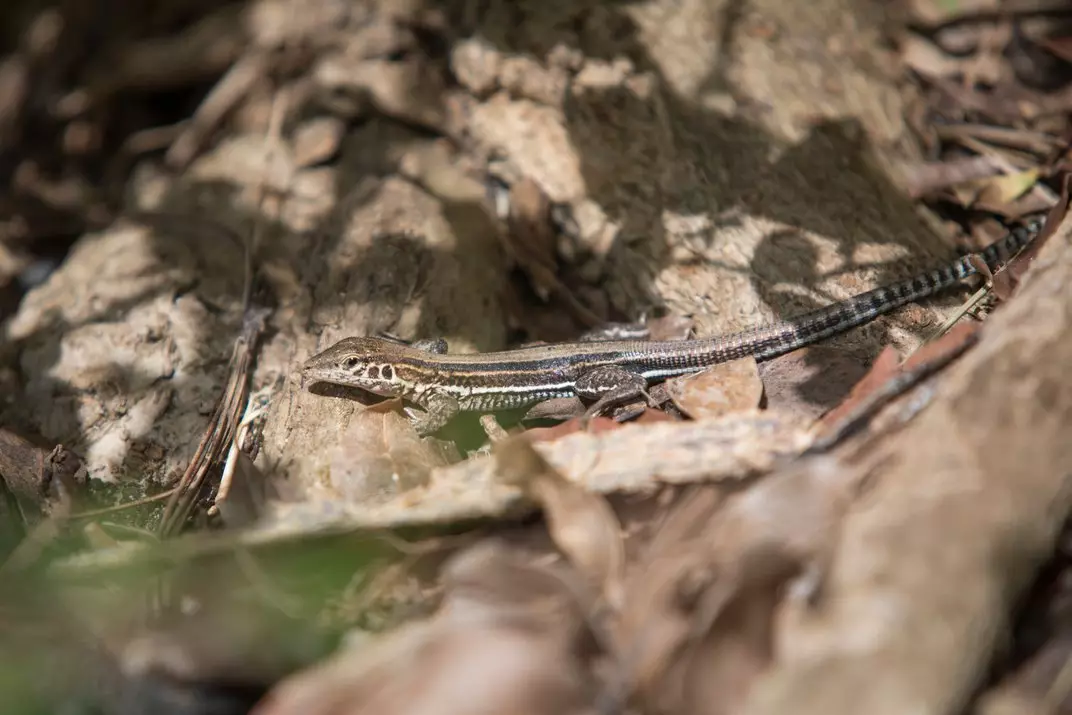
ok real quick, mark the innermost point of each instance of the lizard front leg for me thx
(439, 409)
(610, 386)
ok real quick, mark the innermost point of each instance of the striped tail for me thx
(783, 337)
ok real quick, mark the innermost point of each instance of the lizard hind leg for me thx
(610, 386)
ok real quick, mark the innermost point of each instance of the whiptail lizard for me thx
(608, 372)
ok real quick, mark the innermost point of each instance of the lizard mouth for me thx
(327, 388)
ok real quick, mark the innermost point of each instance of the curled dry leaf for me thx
(317, 140)
(700, 606)
(381, 456)
(509, 638)
(581, 523)
(1006, 188)
(732, 386)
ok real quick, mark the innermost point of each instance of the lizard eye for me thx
(351, 362)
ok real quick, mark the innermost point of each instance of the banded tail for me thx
(785, 336)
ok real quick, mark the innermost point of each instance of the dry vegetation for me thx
(199, 196)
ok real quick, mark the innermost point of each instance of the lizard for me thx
(606, 372)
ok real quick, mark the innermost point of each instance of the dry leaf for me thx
(1006, 281)
(381, 456)
(650, 416)
(596, 425)
(886, 365)
(656, 620)
(700, 606)
(925, 178)
(928, 59)
(317, 140)
(807, 382)
(732, 386)
(1006, 188)
(531, 242)
(581, 523)
(714, 676)
(888, 380)
(508, 639)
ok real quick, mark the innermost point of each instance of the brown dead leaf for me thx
(697, 626)
(889, 380)
(650, 416)
(1059, 46)
(1006, 188)
(713, 677)
(1006, 281)
(531, 236)
(596, 425)
(581, 523)
(930, 61)
(732, 386)
(381, 456)
(810, 381)
(509, 638)
(317, 140)
(923, 179)
(1030, 203)
(530, 239)
(656, 620)
(886, 365)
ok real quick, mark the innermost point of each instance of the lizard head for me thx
(366, 363)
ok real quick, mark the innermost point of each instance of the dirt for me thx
(333, 166)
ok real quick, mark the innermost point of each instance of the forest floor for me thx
(201, 196)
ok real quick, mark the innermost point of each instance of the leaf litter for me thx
(692, 620)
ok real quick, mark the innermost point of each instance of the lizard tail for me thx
(783, 337)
